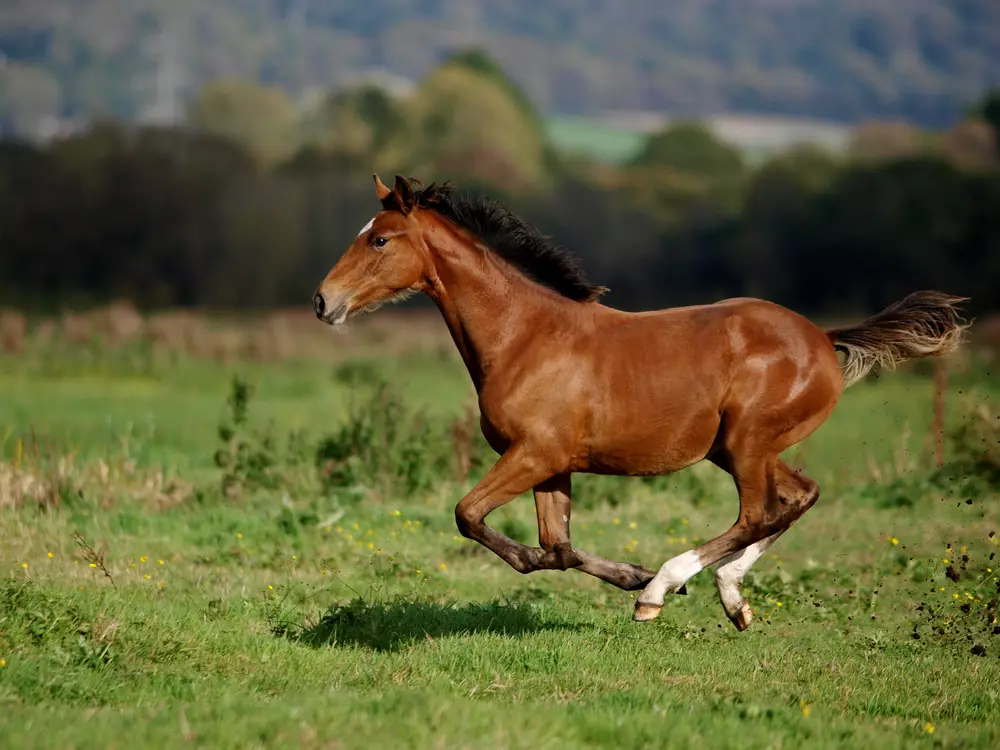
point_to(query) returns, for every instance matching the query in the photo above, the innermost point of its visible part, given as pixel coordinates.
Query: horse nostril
(319, 304)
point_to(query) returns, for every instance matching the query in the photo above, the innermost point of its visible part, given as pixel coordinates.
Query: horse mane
(510, 237)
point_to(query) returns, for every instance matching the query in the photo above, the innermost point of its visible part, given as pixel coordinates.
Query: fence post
(940, 388)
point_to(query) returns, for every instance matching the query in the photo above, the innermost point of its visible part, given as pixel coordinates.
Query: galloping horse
(567, 384)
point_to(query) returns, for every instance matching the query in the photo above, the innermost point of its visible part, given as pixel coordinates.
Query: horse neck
(487, 304)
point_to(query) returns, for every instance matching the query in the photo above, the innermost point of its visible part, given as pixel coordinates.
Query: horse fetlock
(566, 556)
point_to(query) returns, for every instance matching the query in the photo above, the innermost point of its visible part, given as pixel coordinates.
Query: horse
(566, 384)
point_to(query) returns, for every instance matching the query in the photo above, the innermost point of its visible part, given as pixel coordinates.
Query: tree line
(220, 212)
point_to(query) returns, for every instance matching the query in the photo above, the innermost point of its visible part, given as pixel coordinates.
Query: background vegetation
(251, 201)
(921, 60)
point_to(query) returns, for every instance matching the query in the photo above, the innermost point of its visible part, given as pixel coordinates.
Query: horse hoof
(646, 612)
(743, 617)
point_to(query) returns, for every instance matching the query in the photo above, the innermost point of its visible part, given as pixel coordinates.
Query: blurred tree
(685, 172)
(472, 123)
(970, 144)
(363, 128)
(884, 141)
(988, 110)
(690, 147)
(261, 119)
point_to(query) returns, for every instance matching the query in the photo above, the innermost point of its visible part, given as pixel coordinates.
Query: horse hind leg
(796, 493)
(754, 476)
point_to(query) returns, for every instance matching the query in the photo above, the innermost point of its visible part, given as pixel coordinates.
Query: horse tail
(923, 324)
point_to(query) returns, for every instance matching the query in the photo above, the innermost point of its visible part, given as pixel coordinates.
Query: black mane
(512, 238)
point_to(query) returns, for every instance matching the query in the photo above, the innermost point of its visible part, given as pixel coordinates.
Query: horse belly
(657, 444)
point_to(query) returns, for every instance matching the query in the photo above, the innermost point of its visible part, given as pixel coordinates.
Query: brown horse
(567, 384)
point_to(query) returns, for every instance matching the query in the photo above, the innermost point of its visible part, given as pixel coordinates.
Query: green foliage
(471, 122)
(692, 148)
(260, 119)
(478, 61)
(247, 458)
(975, 441)
(387, 445)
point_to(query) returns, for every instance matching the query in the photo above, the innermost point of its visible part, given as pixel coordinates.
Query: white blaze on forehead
(367, 226)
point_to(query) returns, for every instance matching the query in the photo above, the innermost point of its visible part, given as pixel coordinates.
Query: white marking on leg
(367, 226)
(730, 571)
(673, 574)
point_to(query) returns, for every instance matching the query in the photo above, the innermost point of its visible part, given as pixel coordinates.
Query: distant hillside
(827, 59)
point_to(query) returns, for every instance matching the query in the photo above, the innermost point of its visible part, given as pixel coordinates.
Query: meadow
(243, 536)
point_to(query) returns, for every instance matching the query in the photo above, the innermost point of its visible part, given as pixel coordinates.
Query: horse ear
(380, 189)
(404, 194)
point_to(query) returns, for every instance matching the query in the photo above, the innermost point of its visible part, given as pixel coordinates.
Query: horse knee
(466, 523)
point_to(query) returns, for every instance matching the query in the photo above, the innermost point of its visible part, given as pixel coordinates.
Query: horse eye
(380, 241)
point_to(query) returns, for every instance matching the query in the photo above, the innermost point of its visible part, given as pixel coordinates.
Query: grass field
(185, 563)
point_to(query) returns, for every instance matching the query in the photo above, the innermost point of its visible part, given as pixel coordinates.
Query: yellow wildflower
(945, 560)
(395, 513)
(147, 576)
(893, 541)
(929, 728)
(24, 565)
(617, 521)
(633, 525)
(371, 545)
(684, 522)
(50, 555)
(443, 566)
(143, 559)
(239, 534)
(419, 571)
(160, 562)
(3, 662)
(93, 565)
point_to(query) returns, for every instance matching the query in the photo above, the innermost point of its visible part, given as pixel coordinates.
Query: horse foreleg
(552, 502)
(517, 471)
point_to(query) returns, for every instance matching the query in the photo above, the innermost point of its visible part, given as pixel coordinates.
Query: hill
(825, 59)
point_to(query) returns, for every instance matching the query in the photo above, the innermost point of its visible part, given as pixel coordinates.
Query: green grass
(296, 613)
